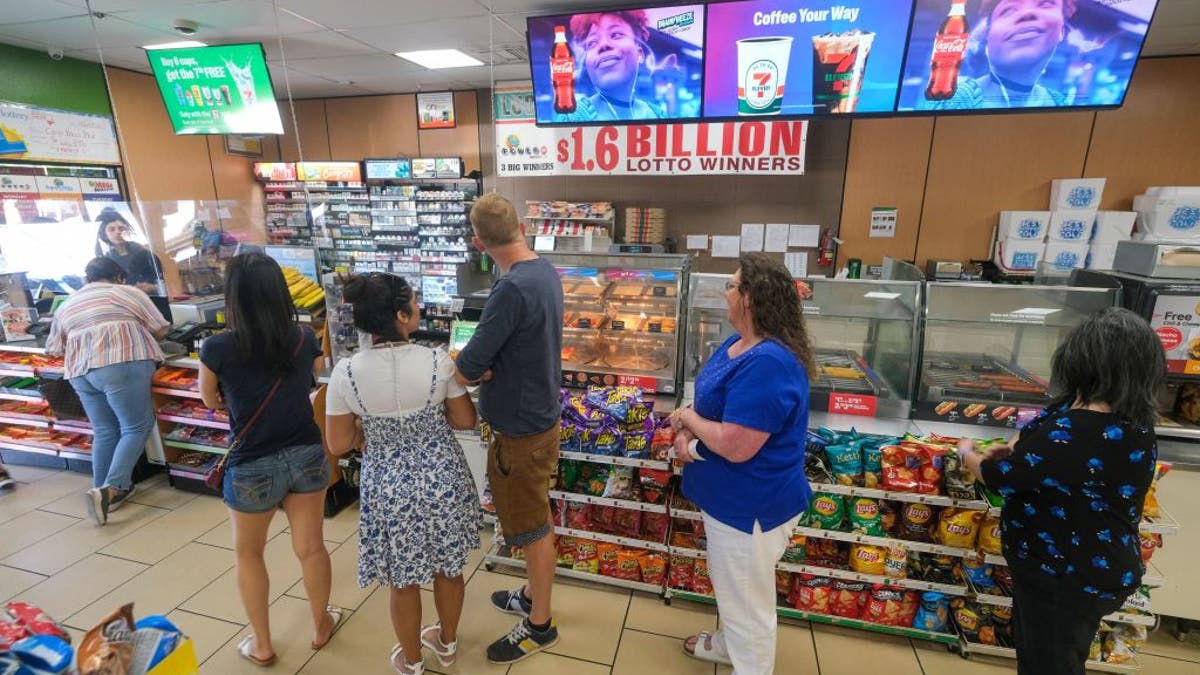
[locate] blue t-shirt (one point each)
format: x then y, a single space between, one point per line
764 388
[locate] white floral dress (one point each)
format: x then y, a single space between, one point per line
419 512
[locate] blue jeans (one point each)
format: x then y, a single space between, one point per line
118 404
261 484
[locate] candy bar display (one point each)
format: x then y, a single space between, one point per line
621 323
177 378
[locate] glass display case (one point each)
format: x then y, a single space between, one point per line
621 315
987 348
863 334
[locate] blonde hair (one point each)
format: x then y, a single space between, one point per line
495 221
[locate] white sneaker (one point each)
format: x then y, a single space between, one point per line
431 638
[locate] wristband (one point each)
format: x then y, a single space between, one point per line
694 450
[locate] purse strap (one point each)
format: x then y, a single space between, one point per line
263 406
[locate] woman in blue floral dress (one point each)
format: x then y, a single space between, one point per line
420 515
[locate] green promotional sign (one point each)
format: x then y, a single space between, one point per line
217 90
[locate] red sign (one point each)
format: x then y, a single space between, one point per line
276 171
648 385
1170 336
853 404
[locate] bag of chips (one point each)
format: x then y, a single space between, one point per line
812 594
655 526
783 583
872 461
826 511
1124 642
602 517
654 485
627 523
847 599
932 613
577 516
989 535
1138 602
958 527
1096 650
885 606
1150 507
865 516
846 463
959 482
867 559
654 568
619 484
593 479
1002 620
978 573
896 563
966 616
701 582
899 466
609 442
107 649
568 435
635 442
888 516
824 552
916 522
908 608
679 574
628 565
587 559
566 551
933 465
662 441
1150 543
796 550
938 569
815 469
1002 575
606 554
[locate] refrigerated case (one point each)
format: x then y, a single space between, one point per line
864 336
987 348
621 316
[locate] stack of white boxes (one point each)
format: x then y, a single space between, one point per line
1073 234
1169 214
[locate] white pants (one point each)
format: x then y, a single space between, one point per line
742 567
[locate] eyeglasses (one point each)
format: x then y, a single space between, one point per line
729 286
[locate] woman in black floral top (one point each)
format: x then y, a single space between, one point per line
1074 483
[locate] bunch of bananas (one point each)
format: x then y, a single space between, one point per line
306 293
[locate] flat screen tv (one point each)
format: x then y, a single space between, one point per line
618 65
825 57
987 55
217 90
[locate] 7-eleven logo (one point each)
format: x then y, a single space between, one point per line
761 85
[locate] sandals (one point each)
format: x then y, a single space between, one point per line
245 649
335 614
431 638
707 649
404 667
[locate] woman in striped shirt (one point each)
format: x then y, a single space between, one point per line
109 335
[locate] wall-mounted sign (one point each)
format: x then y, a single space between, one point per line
44 135
329 171
435 110
278 171
217 90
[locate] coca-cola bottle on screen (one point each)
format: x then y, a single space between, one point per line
948 48
562 73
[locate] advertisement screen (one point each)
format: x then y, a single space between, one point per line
217 90
629 64
780 57
391 168
1003 54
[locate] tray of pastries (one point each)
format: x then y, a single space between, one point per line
579 352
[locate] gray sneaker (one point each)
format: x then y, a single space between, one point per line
118 498
97 504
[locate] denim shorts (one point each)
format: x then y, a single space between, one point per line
261 484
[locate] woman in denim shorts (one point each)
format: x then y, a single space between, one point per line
280 460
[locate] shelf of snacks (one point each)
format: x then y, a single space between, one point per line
615 460
201 439
1129 664
612 564
179 419
602 501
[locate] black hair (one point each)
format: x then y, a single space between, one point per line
376 298
260 312
106 216
104 269
1113 357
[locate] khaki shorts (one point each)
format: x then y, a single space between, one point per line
521 470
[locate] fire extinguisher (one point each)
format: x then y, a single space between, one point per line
826 249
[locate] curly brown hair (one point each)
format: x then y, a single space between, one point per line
775 305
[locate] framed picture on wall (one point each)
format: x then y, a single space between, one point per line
435 110
244 146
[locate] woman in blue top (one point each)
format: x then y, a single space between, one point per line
743 445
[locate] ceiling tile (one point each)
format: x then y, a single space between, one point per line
367 13
132 5
77 33
540 7
322 44
225 21
348 68
470 33
25 12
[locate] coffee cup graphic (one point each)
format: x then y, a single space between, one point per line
839 65
762 74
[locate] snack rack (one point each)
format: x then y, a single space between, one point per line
193 437
570 226
29 431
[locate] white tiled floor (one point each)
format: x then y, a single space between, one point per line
171 553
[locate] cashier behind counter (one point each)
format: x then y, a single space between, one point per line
142 268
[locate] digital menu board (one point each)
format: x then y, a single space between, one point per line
388 168
781 57
217 90
968 55
611 65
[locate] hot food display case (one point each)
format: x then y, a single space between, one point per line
620 319
863 334
987 348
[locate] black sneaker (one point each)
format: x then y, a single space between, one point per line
6 481
118 498
521 642
97 504
512 602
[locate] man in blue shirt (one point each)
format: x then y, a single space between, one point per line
515 353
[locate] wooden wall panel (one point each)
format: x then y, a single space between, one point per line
886 167
462 140
314 134
1154 139
372 126
982 164
241 210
